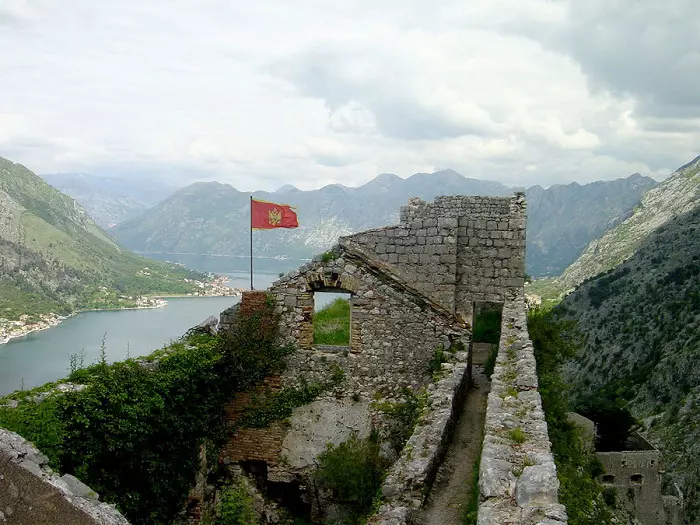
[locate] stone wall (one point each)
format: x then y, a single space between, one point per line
517 478
394 330
30 493
456 250
636 477
409 479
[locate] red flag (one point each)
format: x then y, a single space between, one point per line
267 215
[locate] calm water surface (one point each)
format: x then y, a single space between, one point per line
45 356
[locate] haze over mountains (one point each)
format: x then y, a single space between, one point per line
111 200
212 218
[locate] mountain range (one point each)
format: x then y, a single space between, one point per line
212 218
110 200
54 258
676 195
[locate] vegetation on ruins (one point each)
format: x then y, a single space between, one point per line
353 471
487 327
577 467
133 434
332 324
235 507
280 405
402 417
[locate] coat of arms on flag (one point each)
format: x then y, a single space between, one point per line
266 215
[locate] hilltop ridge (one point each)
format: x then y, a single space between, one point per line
55 259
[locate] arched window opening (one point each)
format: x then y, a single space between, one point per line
636 479
608 478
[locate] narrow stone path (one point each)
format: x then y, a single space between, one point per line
453 486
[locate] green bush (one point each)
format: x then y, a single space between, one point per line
133 435
577 467
487 327
353 472
235 507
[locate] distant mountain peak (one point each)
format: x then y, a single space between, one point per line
286 188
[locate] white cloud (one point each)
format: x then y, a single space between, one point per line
265 93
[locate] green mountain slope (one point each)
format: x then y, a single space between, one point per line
54 258
641 322
213 217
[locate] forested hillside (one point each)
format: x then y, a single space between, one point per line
641 322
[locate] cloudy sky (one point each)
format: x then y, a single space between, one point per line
267 92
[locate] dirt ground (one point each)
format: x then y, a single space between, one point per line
453 486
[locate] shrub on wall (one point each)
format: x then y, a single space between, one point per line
134 433
353 471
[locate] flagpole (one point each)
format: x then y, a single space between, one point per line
251 242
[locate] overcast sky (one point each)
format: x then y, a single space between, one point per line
263 93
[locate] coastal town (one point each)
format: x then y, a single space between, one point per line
26 324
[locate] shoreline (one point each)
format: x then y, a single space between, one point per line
144 302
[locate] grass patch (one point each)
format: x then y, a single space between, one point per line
517 435
332 324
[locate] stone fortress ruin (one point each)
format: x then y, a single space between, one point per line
414 288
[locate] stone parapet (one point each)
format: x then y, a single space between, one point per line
409 479
517 478
30 492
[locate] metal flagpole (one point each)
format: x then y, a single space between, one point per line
251 242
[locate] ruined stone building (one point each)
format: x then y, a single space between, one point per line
636 476
413 288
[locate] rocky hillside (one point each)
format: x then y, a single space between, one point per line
54 258
213 217
563 219
110 200
641 322
676 195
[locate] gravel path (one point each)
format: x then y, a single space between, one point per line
453 485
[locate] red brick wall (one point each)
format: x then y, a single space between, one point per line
254 444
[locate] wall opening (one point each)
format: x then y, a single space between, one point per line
636 479
486 333
332 316
608 478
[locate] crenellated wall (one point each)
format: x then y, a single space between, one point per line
517 478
